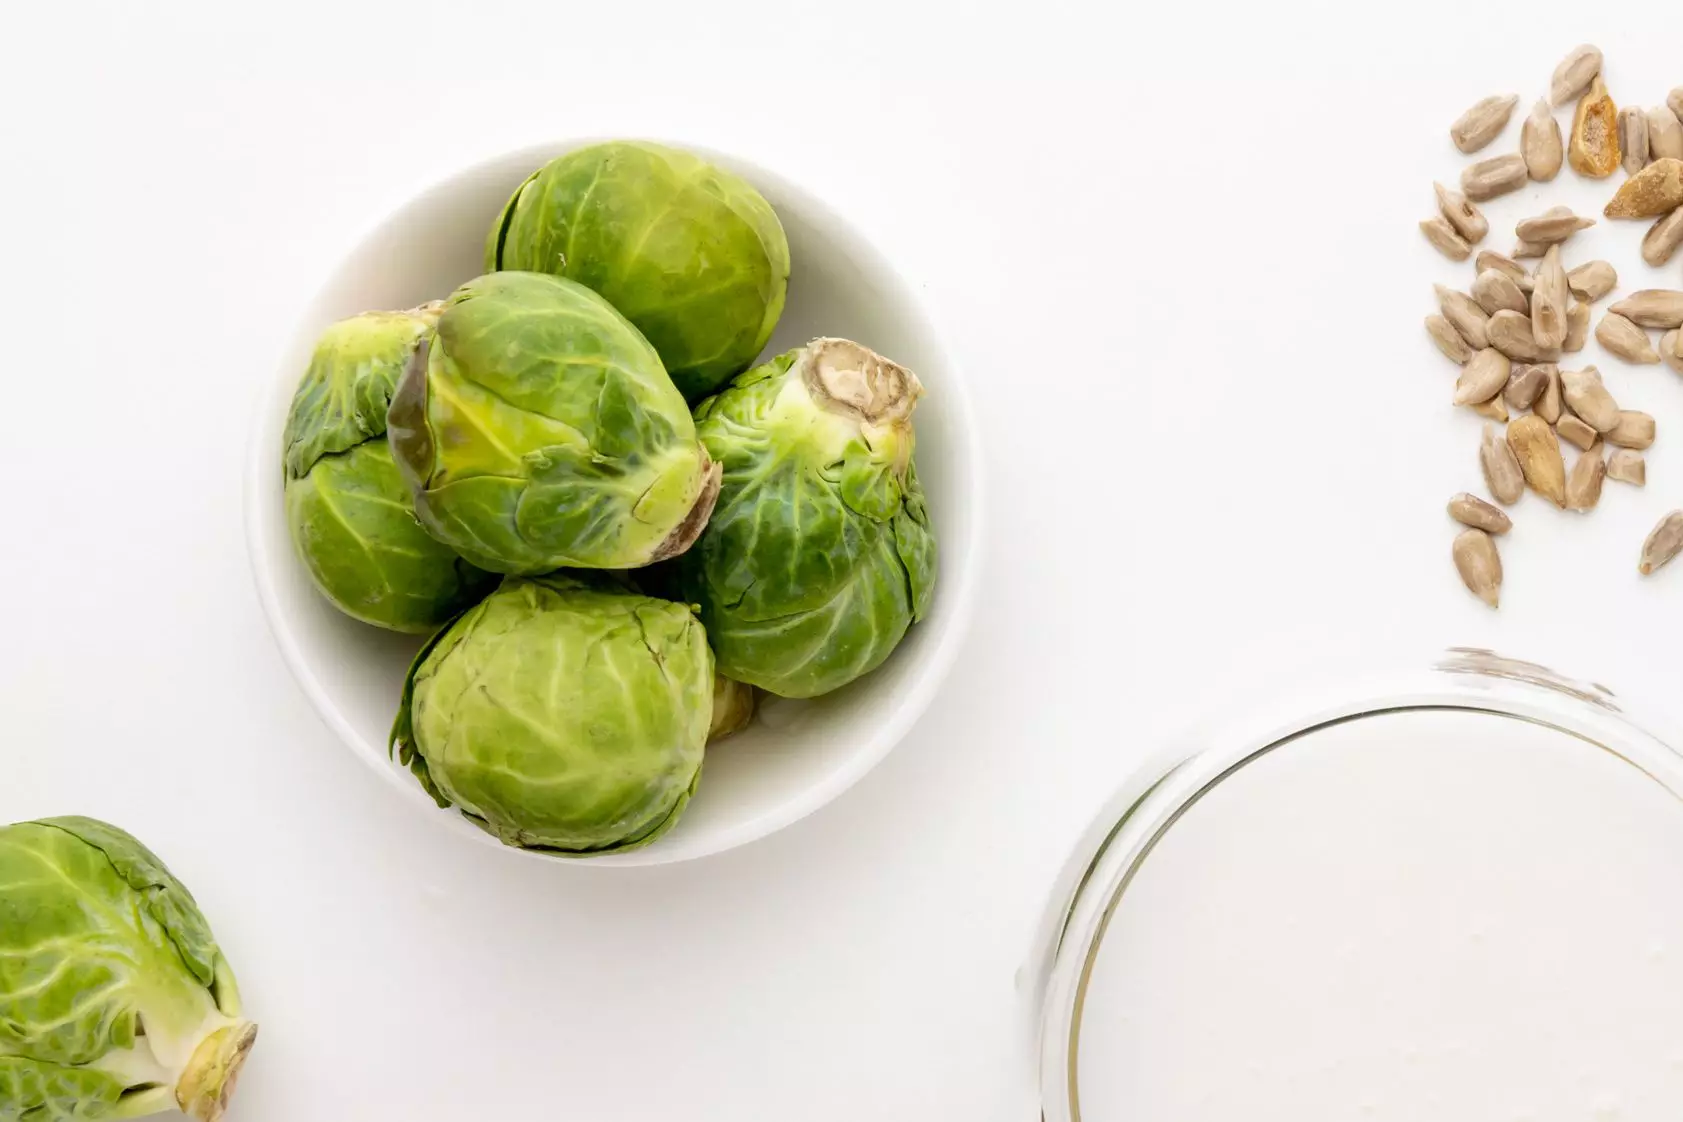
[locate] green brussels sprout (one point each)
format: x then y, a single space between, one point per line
114 999
538 431
563 714
692 254
350 513
733 707
819 554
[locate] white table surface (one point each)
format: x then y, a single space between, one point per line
1174 248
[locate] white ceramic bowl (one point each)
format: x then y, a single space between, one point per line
798 755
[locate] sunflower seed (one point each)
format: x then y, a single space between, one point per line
1583 485
1655 190
1494 177
1594 147
1507 266
1448 339
1652 307
1524 249
1552 226
1591 281
1463 311
1671 349
1470 510
1479 564
1634 430
1662 240
1548 301
1625 339
1482 123
1525 385
1501 470
1483 377
1495 291
1540 143
1537 449
1444 239
1665 134
1627 467
1467 219
1577 328
1573 430
1633 139
1496 409
1664 542
1512 334
1548 403
1574 74
1588 398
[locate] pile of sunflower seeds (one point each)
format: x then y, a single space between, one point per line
1511 329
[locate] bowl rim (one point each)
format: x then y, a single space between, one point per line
961 560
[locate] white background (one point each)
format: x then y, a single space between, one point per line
1174 249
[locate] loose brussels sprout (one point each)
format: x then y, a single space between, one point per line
351 515
733 707
539 431
562 714
689 252
819 553
114 999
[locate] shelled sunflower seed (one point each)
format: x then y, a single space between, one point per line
1626 340
1633 139
1470 510
1663 238
1664 542
1671 349
1507 266
1497 176
1540 144
1665 134
1574 74
1549 298
1508 330
1576 432
1634 430
1553 226
1479 564
1652 307
1444 239
1588 398
1577 327
1515 335
1627 467
1467 220
1495 291
1583 483
1592 280
1525 386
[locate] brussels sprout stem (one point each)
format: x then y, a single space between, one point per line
845 377
208 1082
684 535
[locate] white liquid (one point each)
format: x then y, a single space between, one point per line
1438 916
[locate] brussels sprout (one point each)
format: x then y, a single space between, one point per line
562 714
350 513
689 252
114 999
539 431
733 707
819 553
